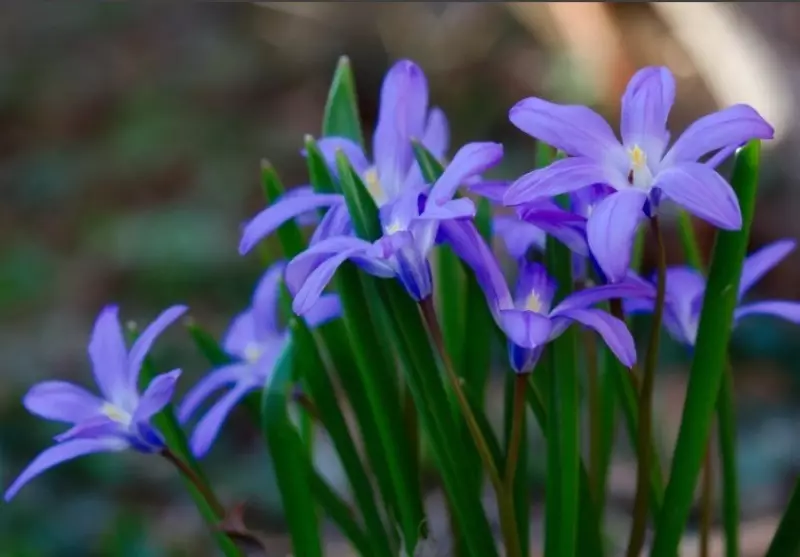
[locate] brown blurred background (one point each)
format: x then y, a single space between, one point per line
130 140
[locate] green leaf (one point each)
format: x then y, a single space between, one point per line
290 459
786 542
208 346
521 489
361 206
289 234
689 242
709 360
318 172
340 514
341 110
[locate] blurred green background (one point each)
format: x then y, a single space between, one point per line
130 141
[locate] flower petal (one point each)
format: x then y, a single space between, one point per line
527 329
327 308
336 222
645 109
109 355
614 332
469 245
731 126
562 176
265 301
142 345
703 192
762 261
156 396
413 270
493 190
535 288
460 208
329 146
61 401
268 220
789 311
208 385
576 130
518 236
610 231
61 453
208 428
96 427
587 297
241 332
472 159
436 138
566 227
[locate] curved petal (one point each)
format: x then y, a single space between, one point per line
527 329
336 222
645 109
583 201
685 290
611 229
762 261
626 290
535 288
413 270
208 385
156 396
61 401
241 332
61 453
562 176
268 220
329 146
566 227
208 428
703 192
731 126
96 427
577 130
790 311
436 138
614 332
142 345
401 118
265 300
109 355
469 245
493 190
460 208
518 236
472 159
327 308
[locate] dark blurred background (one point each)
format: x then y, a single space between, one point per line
130 141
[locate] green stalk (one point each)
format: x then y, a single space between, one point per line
644 452
595 416
786 542
515 452
726 419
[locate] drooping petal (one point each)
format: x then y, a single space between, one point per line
790 311
611 229
156 396
142 345
472 159
96 427
265 301
535 288
460 208
566 227
208 427
493 190
645 108
614 332
403 109
518 236
731 126
527 329
208 385
576 130
436 138
469 245
327 308
240 333
562 176
61 401
109 355
61 453
329 146
336 222
306 219
626 290
268 220
583 201
703 192
762 261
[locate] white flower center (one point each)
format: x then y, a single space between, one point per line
374 186
253 352
117 414
534 303
639 174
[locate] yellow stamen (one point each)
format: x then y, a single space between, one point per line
252 352
116 413
374 186
533 303
638 158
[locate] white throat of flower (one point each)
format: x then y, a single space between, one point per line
116 414
253 352
639 175
533 303
374 186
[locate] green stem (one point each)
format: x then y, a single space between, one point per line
200 485
706 500
726 419
786 542
644 454
517 421
595 420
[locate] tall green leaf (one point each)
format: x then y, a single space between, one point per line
709 360
786 542
341 110
289 234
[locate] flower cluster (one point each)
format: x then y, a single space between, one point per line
591 199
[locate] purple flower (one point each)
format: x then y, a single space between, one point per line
410 223
403 116
526 317
686 289
640 168
256 340
118 420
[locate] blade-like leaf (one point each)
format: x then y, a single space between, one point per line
786 542
360 204
709 360
289 234
341 110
